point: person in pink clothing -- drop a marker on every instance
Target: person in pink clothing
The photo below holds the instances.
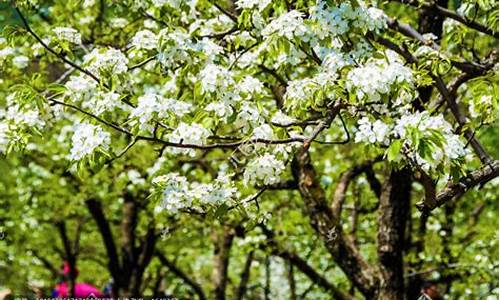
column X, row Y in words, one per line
column 82, row 290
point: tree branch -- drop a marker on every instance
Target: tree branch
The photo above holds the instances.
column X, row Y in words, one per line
column 69, row 256
column 95, row 209
column 244, row 277
column 342, row 248
column 343, row 185
column 302, row 265
column 456, row 190
column 179, row 273
column 64, row 59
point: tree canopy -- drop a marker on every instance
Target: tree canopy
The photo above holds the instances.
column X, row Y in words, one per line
column 250, row 149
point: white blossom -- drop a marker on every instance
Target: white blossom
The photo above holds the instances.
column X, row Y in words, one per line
column 80, row 87
column 175, row 47
column 334, row 61
column 144, row 39
column 172, row 3
column 175, row 191
column 250, row 85
column 249, row 116
column 289, row 25
column 338, row 20
column 292, row 57
column 27, row 117
column 86, row 139
column 214, row 77
column 208, row 48
column 300, row 91
column 282, row 119
column 477, row 109
column 250, row 4
column 109, row 60
column 427, row 126
column 178, row 192
column 193, row 134
column 376, row 78
column 4, row 136
column 118, row 22
column 135, row 177
column 5, row 52
column 102, row 102
column 264, row 169
column 68, row 34
column 221, row 108
column 371, row 132
column 152, row 104
column 264, row 131
column 222, row 189
column 20, row 61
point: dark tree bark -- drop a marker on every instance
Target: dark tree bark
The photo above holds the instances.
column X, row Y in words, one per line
column 128, row 273
column 70, row 257
column 222, row 246
column 244, row 277
column 342, row 248
column 302, row 265
column 182, row 275
column 267, row 286
column 394, row 207
column 95, row 209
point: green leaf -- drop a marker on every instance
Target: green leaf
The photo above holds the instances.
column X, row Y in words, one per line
column 393, row 150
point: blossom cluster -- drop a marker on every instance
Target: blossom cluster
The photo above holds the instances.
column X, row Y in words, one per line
column 249, row 116
column 86, row 138
column 177, row 48
column 325, row 21
column 153, row 105
column 193, row 134
column 376, row 132
column 338, row 20
column 264, row 169
column 282, row 119
column 307, row 91
column 110, row 61
column 19, row 60
column 80, row 88
column 416, row 132
column 378, row 77
column 450, row 146
column 145, row 39
column 178, row 193
column 68, row 34
column 4, row 137
column 251, row 4
column 17, row 118
column 215, row 78
column 288, row 25
column 102, row 102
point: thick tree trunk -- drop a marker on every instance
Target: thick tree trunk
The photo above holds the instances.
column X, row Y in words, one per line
column 70, row 257
column 222, row 246
column 95, row 209
column 245, row 276
column 429, row 22
column 342, row 248
column 128, row 273
column 394, row 206
column 128, row 254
